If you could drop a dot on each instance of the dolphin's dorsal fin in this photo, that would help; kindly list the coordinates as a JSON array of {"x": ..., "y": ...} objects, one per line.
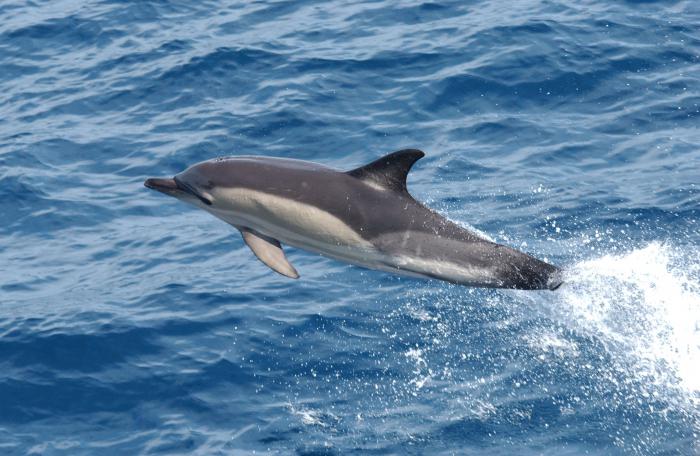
[
  {"x": 269, "y": 251},
  {"x": 389, "y": 171}
]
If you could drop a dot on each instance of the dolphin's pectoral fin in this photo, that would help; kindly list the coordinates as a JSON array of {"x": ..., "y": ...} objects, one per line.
[
  {"x": 389, "y": 171},
  {"x": 269, "y": 251}
]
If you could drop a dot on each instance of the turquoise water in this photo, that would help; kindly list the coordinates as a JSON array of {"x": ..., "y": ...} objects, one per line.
[{"x": 133, "y": 324}]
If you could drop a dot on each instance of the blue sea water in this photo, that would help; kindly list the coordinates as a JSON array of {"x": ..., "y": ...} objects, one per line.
[{"x": 132, "y": 324}]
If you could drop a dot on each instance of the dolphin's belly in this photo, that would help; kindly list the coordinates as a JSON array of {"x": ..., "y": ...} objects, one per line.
[{"x": 297, "y": 224}]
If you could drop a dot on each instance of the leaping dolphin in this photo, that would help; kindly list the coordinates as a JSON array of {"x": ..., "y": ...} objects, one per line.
[{"x": 364, "y": 216}]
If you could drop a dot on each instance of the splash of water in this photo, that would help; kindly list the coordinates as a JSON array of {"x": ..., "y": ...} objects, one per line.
[{"x": 645, "y": 307}]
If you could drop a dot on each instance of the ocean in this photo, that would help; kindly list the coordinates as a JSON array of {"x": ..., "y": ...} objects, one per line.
[{"x": 131, "y": 323}]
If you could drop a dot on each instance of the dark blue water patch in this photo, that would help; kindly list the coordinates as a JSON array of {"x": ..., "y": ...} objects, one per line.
[
  {"x": 656, "y": 117},
  {"x": 392, "y": 64},
  {"x": 223, "y": 70},
  {"x": 79, "y": 352},
  {"x": 460, "y": 91},
  {"x": 12, "y": 71},
  {"x": 130, "y": 62},
  {"x": 32, "y": 210},
  {"x": 59, "y": 152},
  {"x": 126, "y": 13},
  {"x": 221, "y": 62},
  {"x": 64, "y": 397},
  {"x": 268, "y": 13},
  {"x": 418, "y": 14},
  {"x": 61, "y": 33}
]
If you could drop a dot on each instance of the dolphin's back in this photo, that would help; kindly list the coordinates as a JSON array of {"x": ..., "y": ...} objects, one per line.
[{"x": 368, "y": 209}]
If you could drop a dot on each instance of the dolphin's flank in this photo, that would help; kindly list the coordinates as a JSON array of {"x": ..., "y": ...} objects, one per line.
[{"x": 364, "y": 216}]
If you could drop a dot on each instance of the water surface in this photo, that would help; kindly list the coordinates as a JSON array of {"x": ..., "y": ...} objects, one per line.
[{"x": 132, "y": 324}]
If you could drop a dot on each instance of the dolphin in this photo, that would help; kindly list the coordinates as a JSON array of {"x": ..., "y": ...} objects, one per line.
[{"x": 365, "y": 217}]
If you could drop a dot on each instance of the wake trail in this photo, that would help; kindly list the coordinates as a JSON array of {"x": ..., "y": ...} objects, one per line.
[{"x": 644, "y": 307}]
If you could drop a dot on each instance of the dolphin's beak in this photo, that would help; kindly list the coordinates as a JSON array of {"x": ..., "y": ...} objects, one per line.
[
  {"x": 175, "y": 187},
  {"x": 166, "y": 185}
]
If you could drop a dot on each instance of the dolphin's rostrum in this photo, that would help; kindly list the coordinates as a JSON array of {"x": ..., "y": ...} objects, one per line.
[{"x": 364, "y": 216}]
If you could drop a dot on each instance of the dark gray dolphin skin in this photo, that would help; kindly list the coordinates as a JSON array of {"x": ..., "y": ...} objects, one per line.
[{"x": 364, "y": 216}]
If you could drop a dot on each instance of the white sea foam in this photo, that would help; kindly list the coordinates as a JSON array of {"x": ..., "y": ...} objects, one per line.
[
  {"x": 645, "y": 307},
  {"x": 311, "y": 417}
]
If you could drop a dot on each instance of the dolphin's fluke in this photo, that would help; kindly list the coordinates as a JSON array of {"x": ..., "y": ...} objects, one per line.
[
  {"x": 269, "y": 251},
  {"x": 555, "y": 280}
]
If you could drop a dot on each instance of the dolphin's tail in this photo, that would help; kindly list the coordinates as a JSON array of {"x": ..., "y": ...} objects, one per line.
[
  {"x": 555, "y": 279},
  {"x": 524, "y": 272}
]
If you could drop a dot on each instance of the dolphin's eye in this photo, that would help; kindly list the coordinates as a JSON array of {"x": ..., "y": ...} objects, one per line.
[{"x": 184, "y": 186}]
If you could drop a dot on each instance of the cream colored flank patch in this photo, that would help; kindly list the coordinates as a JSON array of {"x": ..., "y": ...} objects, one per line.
[{"x": 289, "y": 221}]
